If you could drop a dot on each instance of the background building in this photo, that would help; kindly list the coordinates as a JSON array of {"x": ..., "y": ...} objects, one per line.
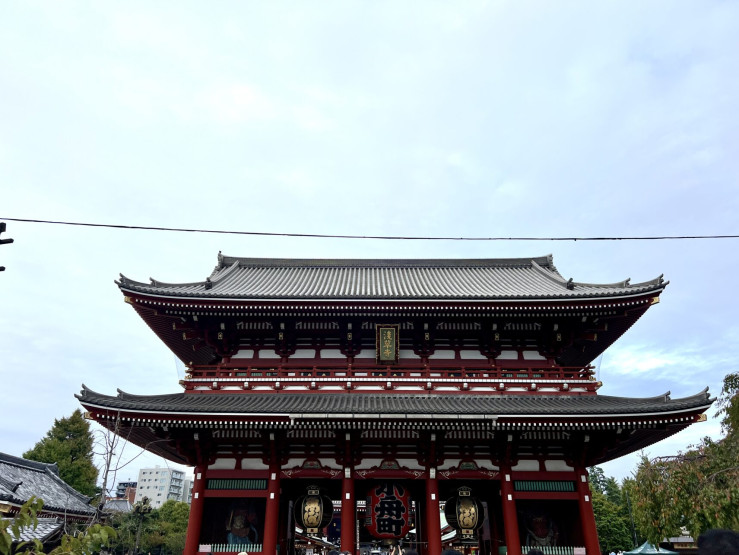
[
  {"x": 161, "y": 484},
  {"x": 126, "y": 490}
]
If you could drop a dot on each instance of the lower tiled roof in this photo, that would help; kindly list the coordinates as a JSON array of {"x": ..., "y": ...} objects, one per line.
[
  {"x": 44, "y": 531},
  {"x": 368, "y": 404},
  {"x": 21, "y": 479}
]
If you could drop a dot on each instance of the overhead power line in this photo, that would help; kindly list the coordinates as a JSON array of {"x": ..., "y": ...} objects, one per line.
[{"x": 382, "y": 237}]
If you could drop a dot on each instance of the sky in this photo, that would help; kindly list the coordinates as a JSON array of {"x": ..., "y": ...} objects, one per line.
[{"x": 386, "y": 118}]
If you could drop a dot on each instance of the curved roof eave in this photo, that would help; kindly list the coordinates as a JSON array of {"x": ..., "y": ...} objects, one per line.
[
  {"x": 427, "y": 405},
  {"x": 425, "y": 300}
]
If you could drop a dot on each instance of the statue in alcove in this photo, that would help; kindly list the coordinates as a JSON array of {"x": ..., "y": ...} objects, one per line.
[
  {"x": 541, "y": 531},
  {"x": 242, "y": 525}
]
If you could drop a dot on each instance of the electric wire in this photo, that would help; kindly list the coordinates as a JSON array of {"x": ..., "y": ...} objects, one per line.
[{"x": 373, "y": 237}]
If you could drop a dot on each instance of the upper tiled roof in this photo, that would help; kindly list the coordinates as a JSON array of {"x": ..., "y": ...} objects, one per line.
[
  {"x": 415, "y": 279},
  {"x": 367, "y": 405},
  {"x": 20, "y": 479}
]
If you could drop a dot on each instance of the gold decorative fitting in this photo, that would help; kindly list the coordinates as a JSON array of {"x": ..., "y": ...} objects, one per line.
[
  {"x": 702, "y": 418},
  {"x": 655, "y": 300},
  {"x": 127, "y": 299}
]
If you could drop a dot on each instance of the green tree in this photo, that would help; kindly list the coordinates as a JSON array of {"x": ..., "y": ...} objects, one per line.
[
  {"x": 611, "y": 513},
  {"x": 614, "y": 532},
  {"x": 698, "y": 489},
  {"x": 657, "y": 503},
  {"x": 69, "y": 444},
  {"x": 171, "y": 521},
  {"x": 597, "y": 479},
  {"x": 160, "y": 530},
  {"x": 728, "y": 404}
]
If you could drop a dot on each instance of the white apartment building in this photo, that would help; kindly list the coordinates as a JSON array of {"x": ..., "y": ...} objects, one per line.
[{"x": 161, "y": 484}]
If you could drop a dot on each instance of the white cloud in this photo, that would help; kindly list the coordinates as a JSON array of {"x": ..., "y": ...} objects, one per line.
[{"x": 237, "y": 104}]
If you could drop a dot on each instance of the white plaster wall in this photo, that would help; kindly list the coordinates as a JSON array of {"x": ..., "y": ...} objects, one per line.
[
  {"x": 472, "y": 354},
  {"x": 303, "y": 353},
  {"x": 557, "y": 466},
  {"x": 332, "y": 353},
  {"x": 225, "y": 463},
  {"x": 527, "y": 465}
]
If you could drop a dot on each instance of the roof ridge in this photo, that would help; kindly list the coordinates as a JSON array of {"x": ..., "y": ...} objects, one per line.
[
  {"x": 79, "y": 495},
  {"x": 36, "y": 466},
  {"x": 224, "y": 260},
  {"x": 553, "y": 275}
]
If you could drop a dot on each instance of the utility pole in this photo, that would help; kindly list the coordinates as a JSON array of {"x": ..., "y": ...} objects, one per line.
[{"x": 3, "y": 225}]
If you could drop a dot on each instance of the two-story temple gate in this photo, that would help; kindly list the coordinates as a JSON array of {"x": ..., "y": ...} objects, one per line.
[{"x": 390, "y": 389}]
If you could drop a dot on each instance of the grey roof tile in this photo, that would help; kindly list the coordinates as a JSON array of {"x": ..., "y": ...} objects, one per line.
[
  {"x": 22, "y": 479},
  {"x": 361, "y": 404},
  {"x": 46, "y": 528},
  {"x": 408, "y": 279}
]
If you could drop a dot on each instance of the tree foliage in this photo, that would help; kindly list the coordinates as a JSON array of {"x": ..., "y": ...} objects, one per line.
[
  {"x": 728, "y": 404},
  {"x": 11, "y": 529},
  {"x": 698, "y": 489},
  {"x": 87, "y": 542},
  {"x": 611, "y": 513},
  {"x": 69, "y": 444},
  {"x": 160, "y": 530},
  {"x": 171, "y": 519}
]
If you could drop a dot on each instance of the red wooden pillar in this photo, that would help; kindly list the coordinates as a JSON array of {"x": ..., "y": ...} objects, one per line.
[
  {"x": 433, "y": 520},
  {"x": 348, "y": 502},
  {"x": 510, "y": 517},
  {"x": 348, "y": 512},
  {"x": 271, "y": 516},
  {"x": 587, "y": 518},
  {"x": 195, "y": 521}
]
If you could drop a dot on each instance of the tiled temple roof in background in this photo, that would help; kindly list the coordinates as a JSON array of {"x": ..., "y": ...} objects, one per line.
[{"x": 20, "y": 479}]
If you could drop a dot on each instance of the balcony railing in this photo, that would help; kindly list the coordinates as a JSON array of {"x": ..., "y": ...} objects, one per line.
[
  {"x": 464, "y": 375},
  {"x": 233, "y": 548}
]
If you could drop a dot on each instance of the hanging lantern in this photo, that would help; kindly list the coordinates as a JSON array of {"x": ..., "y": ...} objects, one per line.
[
  {"x": 388, "y": 513},
  {"x": 313, "y": 511},
  {"x": 465, "y": 514}
]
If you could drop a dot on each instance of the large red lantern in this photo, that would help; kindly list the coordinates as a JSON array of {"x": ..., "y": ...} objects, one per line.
[
  {"x": 313, "y": 511},
  {"x": 464, "y": 513},
  {"x": 388, "y": 511}
]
